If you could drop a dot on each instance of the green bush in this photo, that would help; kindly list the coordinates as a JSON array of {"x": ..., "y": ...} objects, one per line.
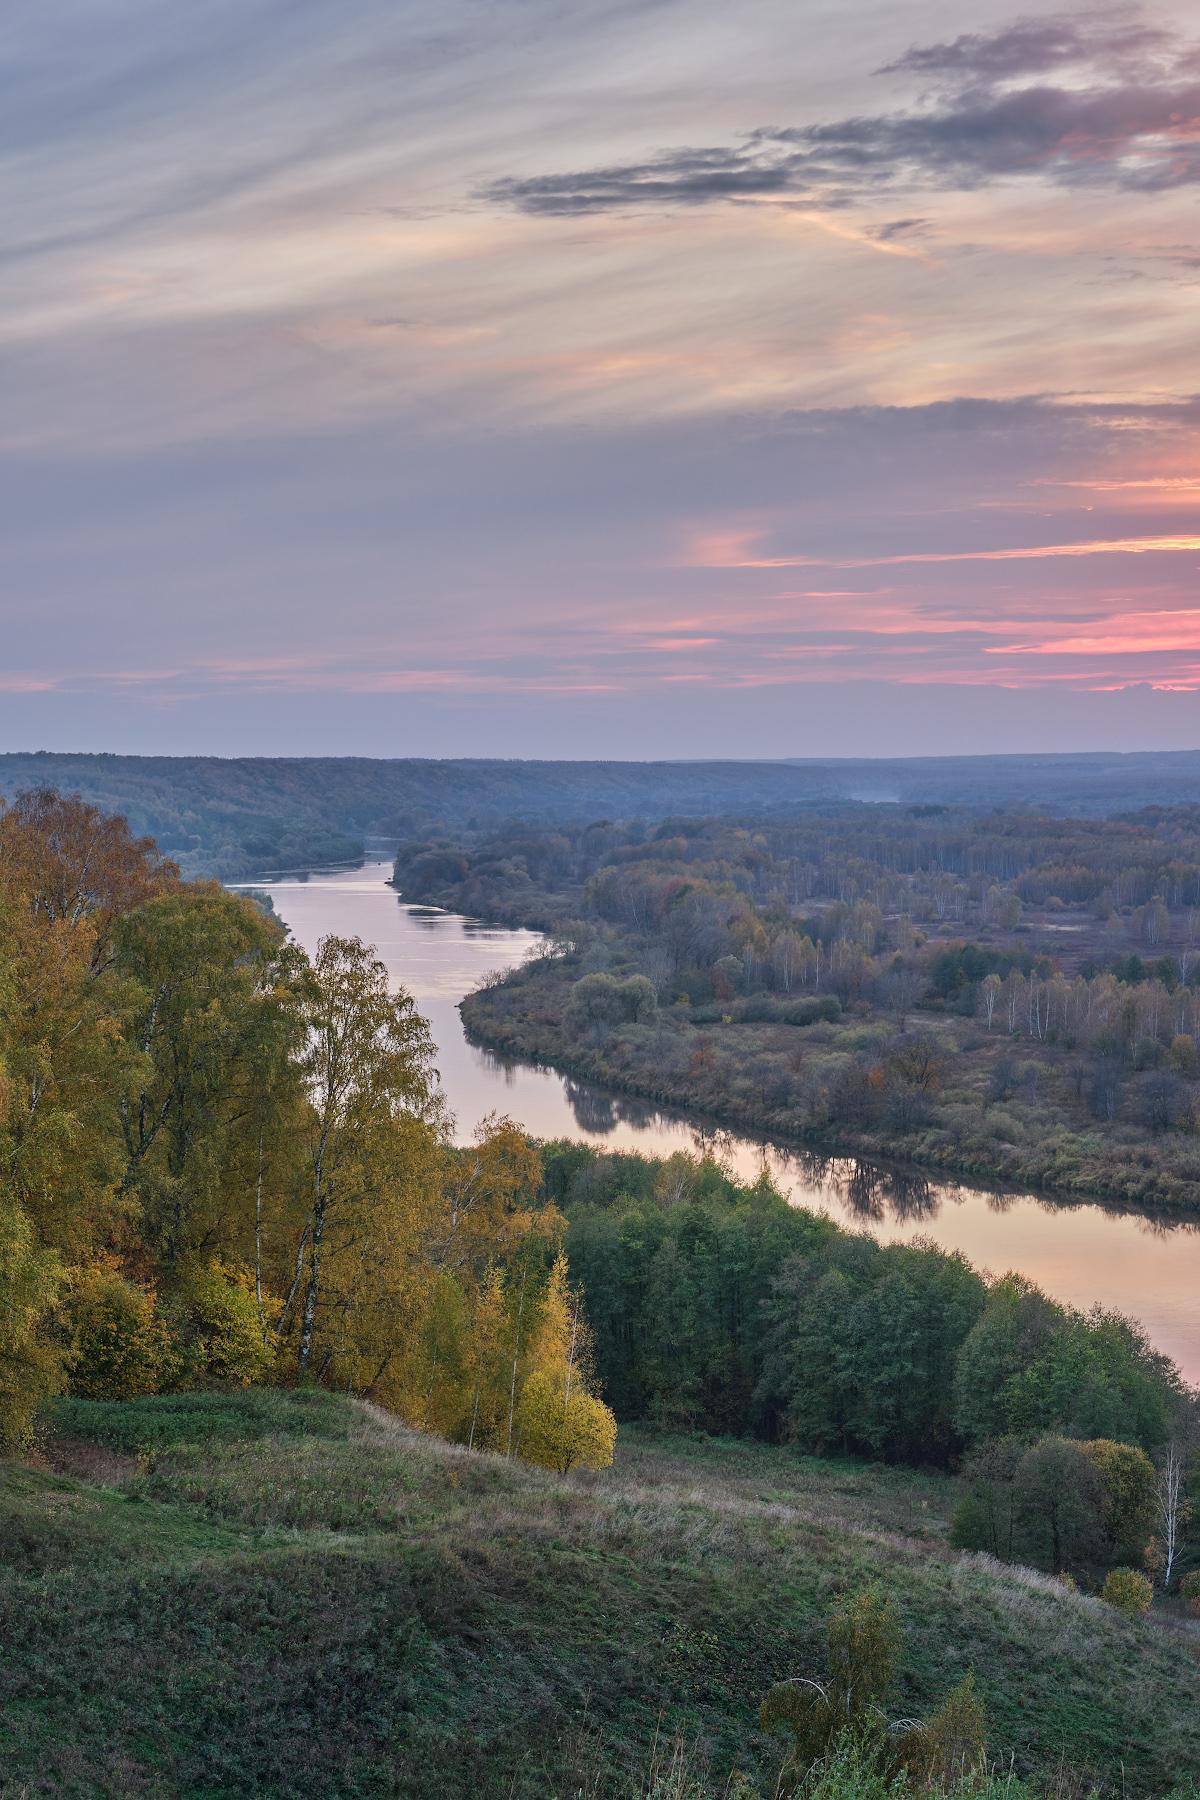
[
  {"x": 221, "y": 1331},
  {"x": 1129, "y": 1591},
  {"x": 970, "y": 1526},
  {"x": 1189, "y": 1590}
]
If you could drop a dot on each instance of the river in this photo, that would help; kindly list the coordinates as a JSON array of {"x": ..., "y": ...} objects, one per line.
[{"x": 1082, "y": 1254}]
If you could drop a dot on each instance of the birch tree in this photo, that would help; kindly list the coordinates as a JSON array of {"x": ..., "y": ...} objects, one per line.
[
  {"x": 369, "y": 1063},
  {"x": 1173, "y": 1511}
]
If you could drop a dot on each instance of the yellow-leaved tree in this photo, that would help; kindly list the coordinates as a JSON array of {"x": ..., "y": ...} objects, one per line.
[
  {"x": 447, "y": 1290},
  {"x": 561, "y": 1423}
]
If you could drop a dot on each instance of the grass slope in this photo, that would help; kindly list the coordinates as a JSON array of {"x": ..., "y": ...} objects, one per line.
[{"x": 290, "y": 1594}]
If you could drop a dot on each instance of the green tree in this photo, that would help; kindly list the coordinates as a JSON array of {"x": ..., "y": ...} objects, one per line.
[
  {"x": 1058, "y": 1506},
  {"x": 30, "y": 1368},
  {"x": 985, "y": 1518},
  {"x": 1127, "y": 1483},
  {"x": 208, "y": 970}
]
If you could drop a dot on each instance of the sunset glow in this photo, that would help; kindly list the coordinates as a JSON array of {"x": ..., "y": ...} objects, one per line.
[{"x": 433, "y": 381}]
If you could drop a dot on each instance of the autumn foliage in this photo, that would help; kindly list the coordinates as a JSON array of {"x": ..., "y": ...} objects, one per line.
[{"x": 224, "y": 1163}]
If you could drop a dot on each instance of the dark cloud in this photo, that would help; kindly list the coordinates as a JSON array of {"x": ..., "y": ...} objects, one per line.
[
  {"x": 1132, "y": 136},
  {"x": 1126, "y": 126},
  {"x": 686, "y": 177},
  {"x": 900, "y": 230},
  {"x": 1035, "y": 46}
]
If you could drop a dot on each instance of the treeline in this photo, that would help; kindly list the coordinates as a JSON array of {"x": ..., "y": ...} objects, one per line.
[
  {"x": 224, "y": 1163},
  {"x": 717, "y": 1307},
  {"x": 845, "y": 874},
  {"x": 237, "y": 817},
  {"x": 232, "y": 817},
  {"x": 720, "y": 1307}
]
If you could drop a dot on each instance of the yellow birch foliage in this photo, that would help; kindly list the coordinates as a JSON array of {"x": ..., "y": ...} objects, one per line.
[
  {"x": 491, "y": 1351},
  {"x": 562, "y": 1424}
]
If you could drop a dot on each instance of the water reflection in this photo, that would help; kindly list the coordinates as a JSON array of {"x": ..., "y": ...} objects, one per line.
[
  {"x": 597, "y": 1114},
  {"x": 1082, "y": 1252},
  {"x": 873, "y": 1193}
]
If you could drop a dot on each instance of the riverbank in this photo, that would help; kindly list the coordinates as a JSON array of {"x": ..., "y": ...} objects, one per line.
[{"x": 784, "y": 1082}]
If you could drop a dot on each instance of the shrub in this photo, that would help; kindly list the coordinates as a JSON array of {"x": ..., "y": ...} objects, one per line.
[
  {"x": 120, "y": 1347},
  {"x": 840, "y": 1725},
  {"x": 1127, "y": 1501},
  {"x": 220, "y": 1328},
  {"x": 1129, "y": 1591},
  {"x": 1189, "y": 1590},
  {"x": 947, "y": 1748},
  {"x": 864, "y": 1647},
  {"x": 970, "y": 1528}
]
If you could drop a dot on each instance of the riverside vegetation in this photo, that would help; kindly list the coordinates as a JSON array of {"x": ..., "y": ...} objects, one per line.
[
  {"x": 293, "y": 1387},
  {"x": 1004, "y": 995}
]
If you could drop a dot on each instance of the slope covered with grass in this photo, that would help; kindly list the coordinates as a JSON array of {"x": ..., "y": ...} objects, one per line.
[{"x": 289, "y": 1594}]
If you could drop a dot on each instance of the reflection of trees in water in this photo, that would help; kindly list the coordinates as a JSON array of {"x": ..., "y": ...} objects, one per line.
[
  {"x": 494, "y": 1062},
  {"x": 862, "y": 1191},
  {"x": 593, "y": 1111},
  {"x": 638, "y": 1113},
  {"x": 872, "y": 1192},
  {"x": 495, "y": 934},
  {"x": 1162, "y": 1225},
  {"x": 912, "y": 1195},
  {"x": 710, "y": 1142}
]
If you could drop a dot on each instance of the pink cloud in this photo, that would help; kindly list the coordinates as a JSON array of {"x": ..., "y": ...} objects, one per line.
[{"x": 727, "y": 551}]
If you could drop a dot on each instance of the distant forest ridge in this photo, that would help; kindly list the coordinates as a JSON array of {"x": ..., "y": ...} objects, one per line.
[{"x": 244, "y": 816}]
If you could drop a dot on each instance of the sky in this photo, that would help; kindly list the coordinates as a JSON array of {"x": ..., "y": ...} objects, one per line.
[{"x": 515, "y": 377}]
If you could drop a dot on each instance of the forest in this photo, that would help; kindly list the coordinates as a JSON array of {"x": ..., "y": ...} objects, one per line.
[
  {"x": 1000, "y": 994},
  {"x": 234, "y": 817},
  {"x": 249, "y": 1283}
]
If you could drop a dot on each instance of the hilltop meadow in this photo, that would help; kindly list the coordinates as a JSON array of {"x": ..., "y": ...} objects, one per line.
[{"x": 290, "y": 1593}]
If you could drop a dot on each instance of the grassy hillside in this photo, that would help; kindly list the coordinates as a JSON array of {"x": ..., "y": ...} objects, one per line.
[{"x": 290, "y": 1594}]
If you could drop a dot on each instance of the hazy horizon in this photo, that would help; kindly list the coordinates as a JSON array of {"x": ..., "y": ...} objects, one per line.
[{"x": 634, "y": 381}]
